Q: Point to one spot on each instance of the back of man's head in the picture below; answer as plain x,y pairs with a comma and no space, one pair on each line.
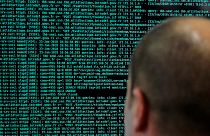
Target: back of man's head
171,66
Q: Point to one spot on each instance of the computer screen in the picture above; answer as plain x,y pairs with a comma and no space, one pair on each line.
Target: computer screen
64,64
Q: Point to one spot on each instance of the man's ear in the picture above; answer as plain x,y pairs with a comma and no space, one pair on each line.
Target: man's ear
140,111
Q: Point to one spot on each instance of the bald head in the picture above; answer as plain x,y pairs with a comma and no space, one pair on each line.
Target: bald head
192,25
171,66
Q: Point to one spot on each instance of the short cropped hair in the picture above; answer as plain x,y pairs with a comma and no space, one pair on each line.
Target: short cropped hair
173,72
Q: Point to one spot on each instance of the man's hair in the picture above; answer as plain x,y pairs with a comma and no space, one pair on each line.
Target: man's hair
173,71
